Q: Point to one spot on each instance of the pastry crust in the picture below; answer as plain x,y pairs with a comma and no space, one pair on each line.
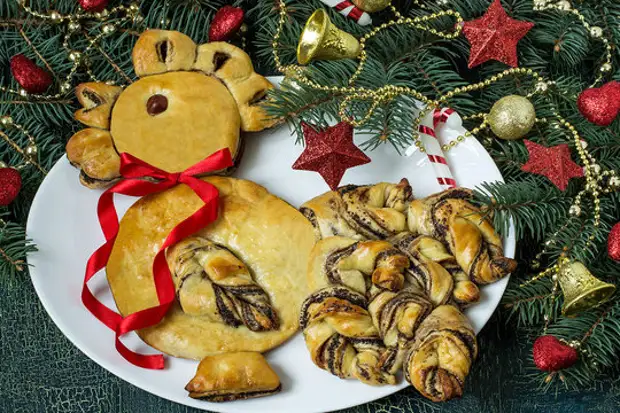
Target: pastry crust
201,118
233,376
159,51
265,233
93,151
97,100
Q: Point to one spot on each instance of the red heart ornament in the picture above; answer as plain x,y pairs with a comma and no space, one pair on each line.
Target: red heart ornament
613,243
550,354
93,5
31,77
600,105
226,23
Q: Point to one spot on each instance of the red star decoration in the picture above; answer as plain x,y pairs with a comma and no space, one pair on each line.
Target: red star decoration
494,36
555,163
330,152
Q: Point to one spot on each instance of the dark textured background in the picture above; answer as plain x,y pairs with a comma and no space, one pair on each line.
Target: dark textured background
41,371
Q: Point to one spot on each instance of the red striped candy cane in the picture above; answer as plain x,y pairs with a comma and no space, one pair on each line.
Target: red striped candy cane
435,155
348,9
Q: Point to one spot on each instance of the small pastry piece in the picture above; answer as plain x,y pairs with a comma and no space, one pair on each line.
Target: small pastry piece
442,353
233,376
211,281
449,217
426,249
360,212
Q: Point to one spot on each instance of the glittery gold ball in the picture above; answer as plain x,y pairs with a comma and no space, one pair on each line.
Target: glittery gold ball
512,117
6,120
31,150
372,6
606,68
55,17
574,210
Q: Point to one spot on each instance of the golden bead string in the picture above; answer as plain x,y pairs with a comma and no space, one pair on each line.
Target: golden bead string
29,154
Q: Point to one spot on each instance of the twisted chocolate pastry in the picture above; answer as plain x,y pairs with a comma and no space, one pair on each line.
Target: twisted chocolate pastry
349,277
429,250
360,212
471,239
441,355
210,281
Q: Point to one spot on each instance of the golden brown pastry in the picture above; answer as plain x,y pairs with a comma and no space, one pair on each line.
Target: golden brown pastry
471,239
360,212
190,102
233,376
442,354
267,235
429,250
212,282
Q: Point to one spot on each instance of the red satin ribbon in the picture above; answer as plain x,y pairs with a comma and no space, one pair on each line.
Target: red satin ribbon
134,171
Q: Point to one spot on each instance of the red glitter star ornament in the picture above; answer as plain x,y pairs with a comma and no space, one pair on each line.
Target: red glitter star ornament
330,152
555,163
494,36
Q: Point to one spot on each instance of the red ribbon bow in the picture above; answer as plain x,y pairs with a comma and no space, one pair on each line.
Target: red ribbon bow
134,171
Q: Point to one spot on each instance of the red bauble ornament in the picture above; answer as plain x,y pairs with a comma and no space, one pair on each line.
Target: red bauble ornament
10,184
600,105
550,354
330,153
226,23
494,36
613,243
93,5
555,163
31,77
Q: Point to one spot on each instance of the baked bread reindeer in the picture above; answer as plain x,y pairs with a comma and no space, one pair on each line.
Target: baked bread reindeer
190,101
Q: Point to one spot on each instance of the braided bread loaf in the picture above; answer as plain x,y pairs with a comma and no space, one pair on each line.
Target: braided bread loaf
469,236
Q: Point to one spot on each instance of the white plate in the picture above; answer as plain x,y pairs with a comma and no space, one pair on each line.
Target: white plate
64,226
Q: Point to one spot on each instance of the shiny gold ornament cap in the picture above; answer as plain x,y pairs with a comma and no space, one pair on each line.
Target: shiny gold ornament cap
582,290
372,6
512,117
321,40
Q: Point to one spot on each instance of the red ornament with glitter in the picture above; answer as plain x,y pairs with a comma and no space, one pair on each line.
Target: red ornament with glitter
226,22
550,354
613,243
32,78
93,5
10,185
555,163
600,105
330,152
494,36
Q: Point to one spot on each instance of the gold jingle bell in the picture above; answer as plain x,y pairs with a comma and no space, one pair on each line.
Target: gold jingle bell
372,6
321,40
582,290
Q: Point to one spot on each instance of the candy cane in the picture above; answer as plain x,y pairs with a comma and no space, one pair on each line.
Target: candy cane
348,9
435,155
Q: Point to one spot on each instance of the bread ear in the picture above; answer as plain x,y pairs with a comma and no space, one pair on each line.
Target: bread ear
160,51
234,67
97,100
92,150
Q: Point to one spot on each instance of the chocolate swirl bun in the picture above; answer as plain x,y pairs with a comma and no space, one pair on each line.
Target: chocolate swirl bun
441,355
210,281
449,217
360,212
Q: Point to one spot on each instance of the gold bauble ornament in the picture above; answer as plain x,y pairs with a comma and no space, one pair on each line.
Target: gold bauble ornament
582,290
6,120
321,40
32,151
55,17
512,117
372,6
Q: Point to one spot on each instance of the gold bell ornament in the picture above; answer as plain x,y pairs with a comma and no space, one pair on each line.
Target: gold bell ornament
582,290
372,6
321,40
